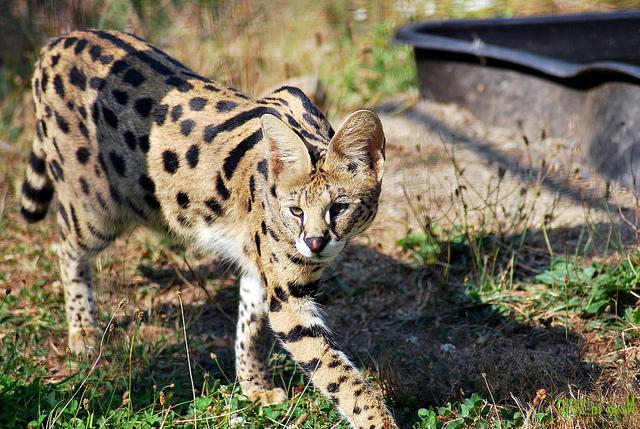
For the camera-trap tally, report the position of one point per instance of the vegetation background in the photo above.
(482, 285)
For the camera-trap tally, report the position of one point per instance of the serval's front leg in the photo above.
(252, 339)
(296, 320)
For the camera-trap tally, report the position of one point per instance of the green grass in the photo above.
(136, 383)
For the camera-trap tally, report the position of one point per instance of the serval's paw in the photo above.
(84, 340)
(269, 397)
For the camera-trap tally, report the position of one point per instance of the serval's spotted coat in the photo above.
(126, 135)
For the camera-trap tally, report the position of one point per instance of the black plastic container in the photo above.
(573, 76)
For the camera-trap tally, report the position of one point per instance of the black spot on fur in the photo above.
(58, 85)
(170, 161)
(333, 387)
(84, 185)
(181, 84)
(182, 199)
(55, 145)
(69, 41)
(118, 163)
(43, 82)
(83, 129)
(83, 154)
(130, 139)
(96, 83)
(186, 127)
(222, 189)
(237, 153)
(309, 119)
(275, 305)
(133, 77)
(39, 130)
(160, 114)
(62, 123)
(257, 240)
(106, 59)
(146, 183)
(335, 363)
(214, 206)
(252, 188)
(119, 66)
(101, 200)
(299, 332)
(262, 169)
(56, 170)
(226, 106)
(120, 96)
(281, 294)
(110, 117)
(64, 215)
(141, 55)
(193, 155)
(273, 234)
(143, 141)
(143, 106)
(301, 261)
(211, 131)
(211, 88)
(54, 60)
(76, 224)
(197, 103)
(292, 121)
(310, 366)
(176, 112)
(78, 78)
(306, 102)
(82, 43)
(40, 196)
(95, 51)
(303, 290)
(99, 235)
(37, 164)
(183, 221)
(152, 201)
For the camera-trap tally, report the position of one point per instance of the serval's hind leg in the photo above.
(81, 242)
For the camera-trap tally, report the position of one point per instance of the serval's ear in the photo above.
(289, 159)
(358, 146)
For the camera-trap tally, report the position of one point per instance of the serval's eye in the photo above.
(296, 211)
(337, 209)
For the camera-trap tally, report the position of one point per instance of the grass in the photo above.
(479, 313)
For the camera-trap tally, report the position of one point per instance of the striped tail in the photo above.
(37, 188)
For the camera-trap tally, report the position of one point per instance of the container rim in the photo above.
(417, 35)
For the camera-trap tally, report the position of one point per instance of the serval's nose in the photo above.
(316, 244)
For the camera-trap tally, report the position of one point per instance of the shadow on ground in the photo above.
(415, 329)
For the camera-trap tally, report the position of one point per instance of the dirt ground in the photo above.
(410, 324)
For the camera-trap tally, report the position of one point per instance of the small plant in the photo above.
(472, 412)
(428, 245)
(594, 289)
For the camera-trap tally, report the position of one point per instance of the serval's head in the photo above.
(325, 195)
